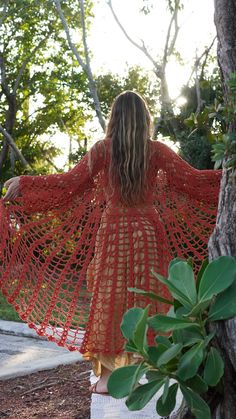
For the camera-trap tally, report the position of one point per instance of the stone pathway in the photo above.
(22, 352)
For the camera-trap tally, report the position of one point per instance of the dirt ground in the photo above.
(52, 394)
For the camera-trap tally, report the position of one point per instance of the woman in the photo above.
(73, 243)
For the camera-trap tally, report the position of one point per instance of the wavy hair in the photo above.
(129, 129)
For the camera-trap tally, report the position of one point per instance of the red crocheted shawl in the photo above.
(69, 249)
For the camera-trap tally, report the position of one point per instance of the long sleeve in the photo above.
(202, 185)
(52, 191)
(187, 200)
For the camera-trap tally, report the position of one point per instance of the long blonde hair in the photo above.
(129, 130)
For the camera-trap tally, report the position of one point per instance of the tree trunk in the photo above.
(222, 241)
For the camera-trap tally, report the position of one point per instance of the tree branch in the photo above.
(12, 144)
(3, 14)
(85, 66)
(168, 50)
(197, 87)
(142, 47)
(66, 28)
(205, 54)
(4, 85)
(86, 51)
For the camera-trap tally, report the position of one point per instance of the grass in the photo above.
(7, 312)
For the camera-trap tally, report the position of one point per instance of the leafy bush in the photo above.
(183, 357)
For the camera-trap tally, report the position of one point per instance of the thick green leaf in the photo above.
(121, 381)
(218, 276)
(197, 384)
(177, 305)
(139, 373)
(182, 277)
(143, 394)
(154, 375)
(130, 321)
(151, 295)
(140, 332)
(208, 338)
(224, 306)
(180, 312)
(163, 340)
(188, 337)
(190, 362)
(214, 368)
(204, 264)
(198, 308)
(164, 408)
(169, 354)
(165, 324)
(131, 347)
(196, 404)
(173, 262)
(154, 353)
(177, 294)
(166, 389)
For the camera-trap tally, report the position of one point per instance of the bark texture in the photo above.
(223, 239)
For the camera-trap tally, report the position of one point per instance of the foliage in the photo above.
(7, 312)
(183, 356)
(110, 85)
(52, 95)
(197, 131)
(224, 151)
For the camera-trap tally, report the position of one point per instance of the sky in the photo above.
(111, 51)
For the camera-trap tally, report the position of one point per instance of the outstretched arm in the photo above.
(53, 190)
(181, 177)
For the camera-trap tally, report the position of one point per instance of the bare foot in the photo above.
(101, 385)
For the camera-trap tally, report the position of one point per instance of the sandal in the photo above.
(93, 390)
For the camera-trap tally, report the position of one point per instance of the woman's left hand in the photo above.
(13, 188)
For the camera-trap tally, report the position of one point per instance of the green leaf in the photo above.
(197, 384)
(204, 265)
(166, 324)
(151, 295)
(154, 375)
(130, 346)
(154, 353)
(198, 308)
(143, 394)
(218, 276)
(177, 304)
(180, 312)
(187, 337)
(130, 321)
(166, 389)
(121, 381)
(224, 306)
(190, 362)
(173, 262)
(163, 340)
(169, 354)
(140, 331)
(208, 338)
(177, 294)
(165, 408)
(214, 368)
(196, 404)
(182, 277)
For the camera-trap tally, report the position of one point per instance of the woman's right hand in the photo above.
(13, 188)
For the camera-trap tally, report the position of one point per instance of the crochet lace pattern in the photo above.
(69, 248)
